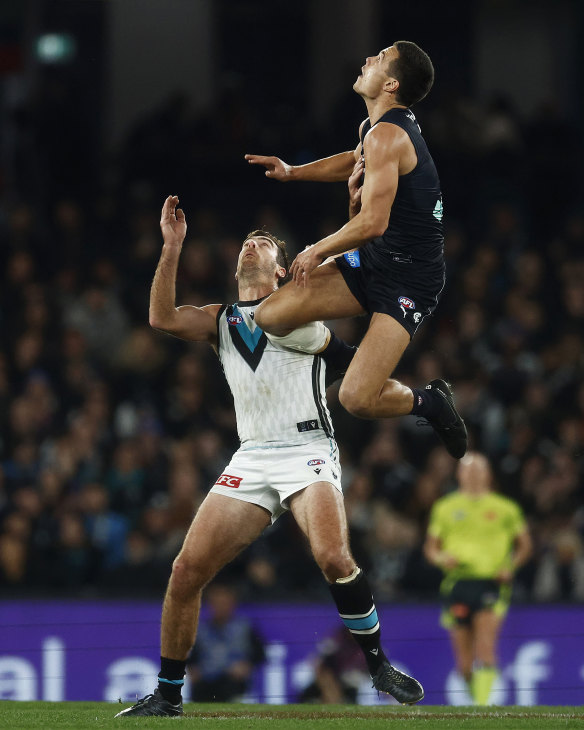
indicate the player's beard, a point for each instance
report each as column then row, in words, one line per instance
column 249, row 273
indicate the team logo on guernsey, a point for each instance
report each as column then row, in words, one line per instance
column 315, row 462
column 234, row 319
column 225, row 480
column 353, row 259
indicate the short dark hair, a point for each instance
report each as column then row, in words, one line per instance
column 414, row 71
column 282, row 257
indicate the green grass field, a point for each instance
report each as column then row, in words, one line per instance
column 84, row 715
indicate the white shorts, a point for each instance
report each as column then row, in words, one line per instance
column 268, row 477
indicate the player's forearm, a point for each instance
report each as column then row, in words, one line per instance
column 432, row 550
column 435, row 556
column 329, row 169
column 354, row 208
column 357, row 231
column 522, row 551
column 162, row 312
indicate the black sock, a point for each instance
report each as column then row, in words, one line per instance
column 171, row 679
column 426, row 403
column 337, row 356
column 358, row 613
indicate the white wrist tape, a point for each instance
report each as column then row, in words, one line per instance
column 310, row 338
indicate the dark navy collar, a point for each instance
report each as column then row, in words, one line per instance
column 251, row 303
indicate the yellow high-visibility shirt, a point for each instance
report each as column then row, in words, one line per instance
column 478, row 531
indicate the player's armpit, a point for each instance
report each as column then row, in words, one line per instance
column 196, row 324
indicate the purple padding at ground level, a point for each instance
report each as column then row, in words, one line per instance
column 108, row 650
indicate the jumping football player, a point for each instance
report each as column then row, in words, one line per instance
column 392, row 262
column 288, row 460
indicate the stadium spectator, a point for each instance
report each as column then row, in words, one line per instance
column 339, row 672
column 228, row 649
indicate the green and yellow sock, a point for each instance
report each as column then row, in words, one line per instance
column 481, row 684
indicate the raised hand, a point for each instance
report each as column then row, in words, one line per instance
column 304, row 263
column 173, row 223
column 276, row 168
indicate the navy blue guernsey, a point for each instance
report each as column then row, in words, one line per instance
column 415, row 230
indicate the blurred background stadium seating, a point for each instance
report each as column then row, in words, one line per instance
column 111, row 434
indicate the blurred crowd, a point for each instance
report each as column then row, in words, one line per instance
column 111, row 433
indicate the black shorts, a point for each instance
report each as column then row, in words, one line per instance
column 392, row 283
column 466, row 597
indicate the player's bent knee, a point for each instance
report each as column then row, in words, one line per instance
column 187, row 577
column 334, row 562
column 354, row 402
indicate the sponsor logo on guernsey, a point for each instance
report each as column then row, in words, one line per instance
column 353, row 259
column 315, row 462
column 234, row 319
column 225, row 480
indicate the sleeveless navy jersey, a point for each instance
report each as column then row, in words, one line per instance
column 415, row 232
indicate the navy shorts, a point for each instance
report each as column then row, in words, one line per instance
column 392, row 283
column 468, row 596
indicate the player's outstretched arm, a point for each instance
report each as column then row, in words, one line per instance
column 188, row 323
column 382, row 151
column 330, row 169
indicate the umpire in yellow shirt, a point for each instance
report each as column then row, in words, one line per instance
column 478, row 539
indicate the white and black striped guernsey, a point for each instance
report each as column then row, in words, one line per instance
column 279, row 395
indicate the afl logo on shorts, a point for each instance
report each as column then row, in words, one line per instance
column 227, row 481
column 407, row 303
column 315, row 462
column 234, row 319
